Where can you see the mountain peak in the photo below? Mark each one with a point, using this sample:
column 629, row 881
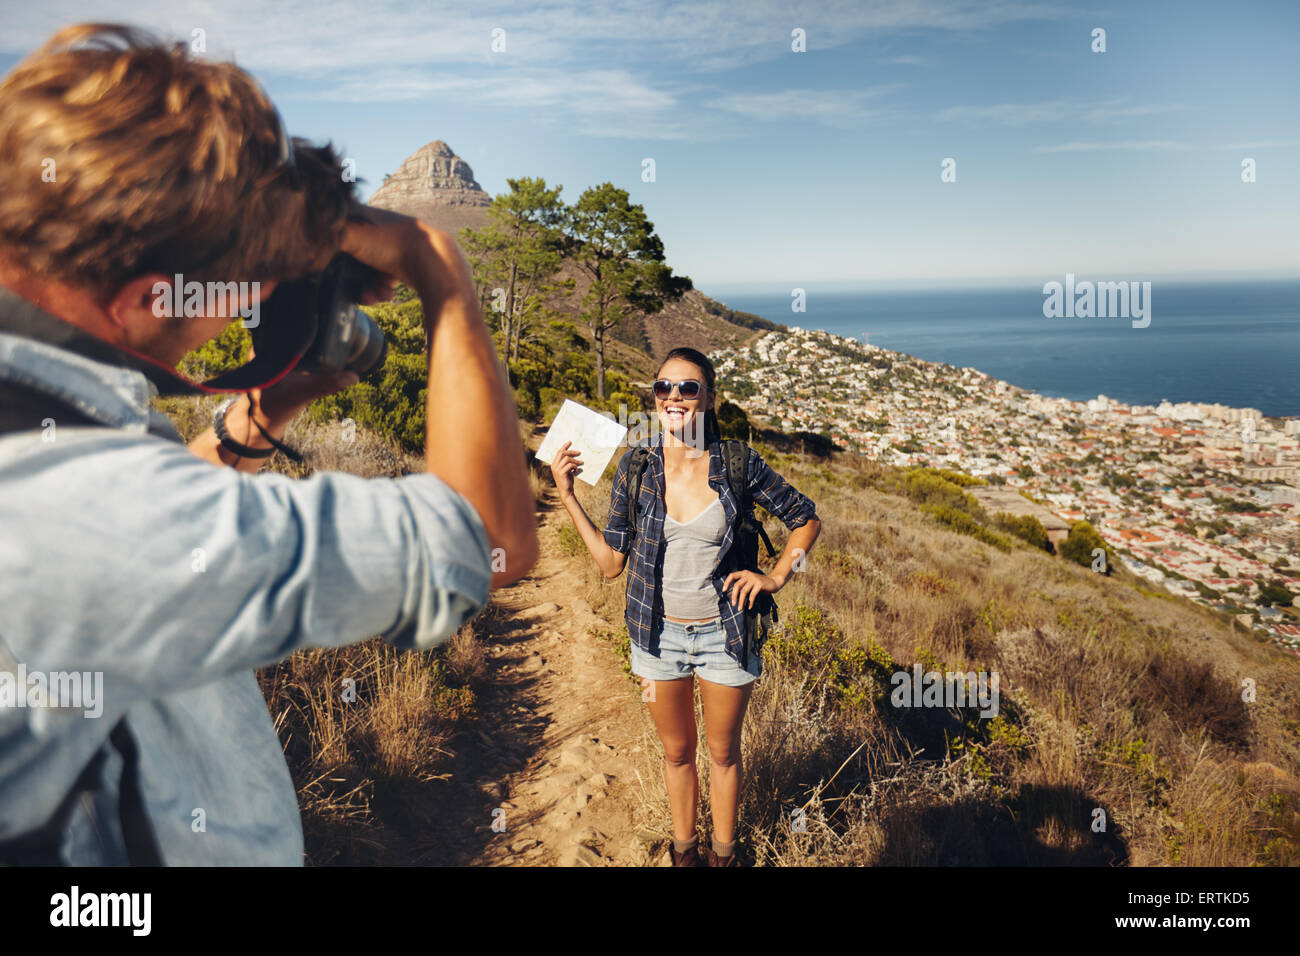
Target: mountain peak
column 436, row 185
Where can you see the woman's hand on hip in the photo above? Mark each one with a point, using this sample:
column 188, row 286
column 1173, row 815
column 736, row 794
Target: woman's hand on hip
column 745, row 586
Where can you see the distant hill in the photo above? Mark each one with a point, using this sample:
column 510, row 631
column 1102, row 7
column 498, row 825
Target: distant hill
column 437, row 186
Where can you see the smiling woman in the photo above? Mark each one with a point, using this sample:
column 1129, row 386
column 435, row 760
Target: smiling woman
column 693, row 584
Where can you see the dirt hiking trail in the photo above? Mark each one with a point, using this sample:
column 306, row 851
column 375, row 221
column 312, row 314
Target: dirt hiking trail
column 559, row 753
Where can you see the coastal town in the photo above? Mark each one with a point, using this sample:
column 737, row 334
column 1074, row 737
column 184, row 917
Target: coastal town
column 1203, row 500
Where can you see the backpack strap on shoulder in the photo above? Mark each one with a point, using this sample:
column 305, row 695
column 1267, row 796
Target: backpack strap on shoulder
column 635, row 469
column 735, row 457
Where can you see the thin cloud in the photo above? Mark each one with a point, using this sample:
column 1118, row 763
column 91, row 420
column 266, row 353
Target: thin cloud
column 1008, row 114
column 1049, row 111
column 826, row 106
column 1109, row 114
column 1264, row 144
column 1094, row 146
column 584, row 91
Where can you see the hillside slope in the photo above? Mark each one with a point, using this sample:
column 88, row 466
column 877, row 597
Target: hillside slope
column 695, row 321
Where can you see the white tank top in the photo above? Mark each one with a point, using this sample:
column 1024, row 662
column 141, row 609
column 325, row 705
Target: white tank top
column 692, row 550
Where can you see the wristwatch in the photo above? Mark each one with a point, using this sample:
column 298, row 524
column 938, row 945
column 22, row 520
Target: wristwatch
column 219, row 426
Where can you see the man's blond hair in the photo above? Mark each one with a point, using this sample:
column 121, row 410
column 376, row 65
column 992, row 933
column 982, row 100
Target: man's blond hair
column 126, row 156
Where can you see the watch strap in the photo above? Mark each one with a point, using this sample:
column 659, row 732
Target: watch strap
column 223, row 436
column 275, row 442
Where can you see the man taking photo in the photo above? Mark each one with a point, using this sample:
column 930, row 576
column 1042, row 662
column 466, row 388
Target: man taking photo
column 166, row 575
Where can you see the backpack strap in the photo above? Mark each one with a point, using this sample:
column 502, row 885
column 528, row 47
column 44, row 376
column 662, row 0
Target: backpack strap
column 25, row 409
column 735, row 456
column 635, row 469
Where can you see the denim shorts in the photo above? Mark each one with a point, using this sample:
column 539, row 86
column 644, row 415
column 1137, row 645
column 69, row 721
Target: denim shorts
column 695, row 648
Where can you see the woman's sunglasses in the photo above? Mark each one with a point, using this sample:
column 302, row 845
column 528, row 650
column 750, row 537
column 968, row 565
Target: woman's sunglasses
column 690, row 388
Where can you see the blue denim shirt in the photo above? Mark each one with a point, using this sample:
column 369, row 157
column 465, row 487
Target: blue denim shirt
column 644, row 608
column 123, row 553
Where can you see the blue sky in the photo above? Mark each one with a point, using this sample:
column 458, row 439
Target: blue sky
column 782, row 169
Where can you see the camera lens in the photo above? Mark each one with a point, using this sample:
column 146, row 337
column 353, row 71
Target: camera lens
column 370, row 347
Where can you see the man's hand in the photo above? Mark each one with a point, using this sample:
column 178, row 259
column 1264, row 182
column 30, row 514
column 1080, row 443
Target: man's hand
column 404, row 249
column 275, row 407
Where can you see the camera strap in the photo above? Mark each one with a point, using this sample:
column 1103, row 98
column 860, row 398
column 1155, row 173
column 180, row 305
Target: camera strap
column 274, row 356
column 284, row 449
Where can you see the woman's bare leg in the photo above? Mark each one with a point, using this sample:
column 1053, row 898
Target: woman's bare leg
column 672, row 707
column 724, row 716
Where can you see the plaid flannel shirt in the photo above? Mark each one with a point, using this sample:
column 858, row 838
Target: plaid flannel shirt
column 645, row 611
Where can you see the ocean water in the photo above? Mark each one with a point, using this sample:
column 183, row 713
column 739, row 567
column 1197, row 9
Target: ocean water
column 1237, row 343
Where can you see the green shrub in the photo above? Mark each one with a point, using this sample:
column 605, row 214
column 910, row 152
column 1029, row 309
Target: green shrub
column 630, row 402
column 859, row 674
column 571, row 543
column 526, row 403
column 963, row 523
column 928, row 487
column 227, row 351
column 1081, row 543
column 1026, row 527
column 390, row 401
column 956, row 477
column 549, row 401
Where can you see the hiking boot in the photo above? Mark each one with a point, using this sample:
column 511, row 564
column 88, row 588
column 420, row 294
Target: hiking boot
column 690, row 858
column 715, row 860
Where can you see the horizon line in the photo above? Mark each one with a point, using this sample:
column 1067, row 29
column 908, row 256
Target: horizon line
column 986, row 282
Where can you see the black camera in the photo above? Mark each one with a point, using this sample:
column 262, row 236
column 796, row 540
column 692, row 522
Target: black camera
column 346, row 337
column 313, row 324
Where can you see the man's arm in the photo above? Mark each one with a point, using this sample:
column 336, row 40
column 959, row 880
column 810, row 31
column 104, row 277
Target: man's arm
column 166, row 573
column 472, row 432
column 472, row 440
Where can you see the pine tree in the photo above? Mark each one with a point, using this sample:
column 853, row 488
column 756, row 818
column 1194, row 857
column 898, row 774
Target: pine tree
column 516, row 257
column 614, row 243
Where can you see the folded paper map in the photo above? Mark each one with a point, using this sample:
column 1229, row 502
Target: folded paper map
column 595, row 438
